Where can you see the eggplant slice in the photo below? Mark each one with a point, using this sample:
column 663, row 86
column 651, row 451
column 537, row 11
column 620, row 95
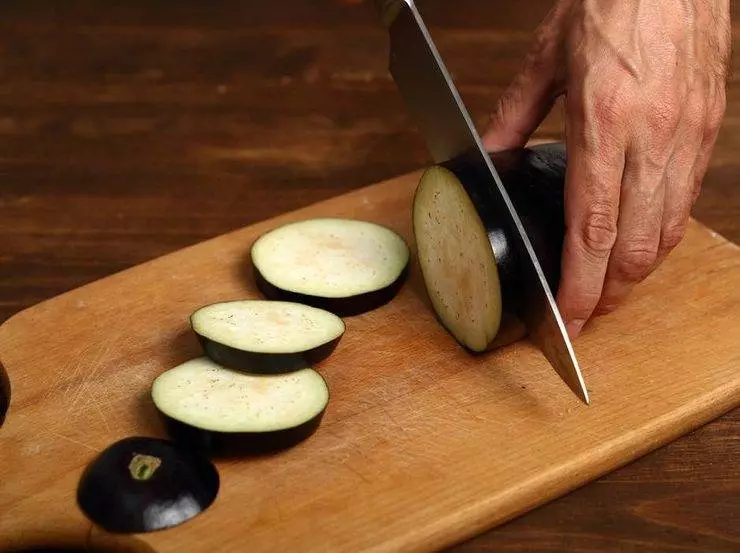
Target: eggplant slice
column 142, row 484
column 345, row 266
column 226, row 412
column 456, row 259
column 470, row 273
column 4, row 394
column 266, row 336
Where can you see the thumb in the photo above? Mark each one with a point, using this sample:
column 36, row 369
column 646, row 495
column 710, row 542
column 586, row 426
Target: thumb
column 527, row 100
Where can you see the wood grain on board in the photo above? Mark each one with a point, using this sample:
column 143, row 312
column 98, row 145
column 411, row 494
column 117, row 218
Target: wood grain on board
column 423, row 445
column 132, row 131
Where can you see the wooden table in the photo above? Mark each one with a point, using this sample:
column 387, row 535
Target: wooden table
column 129, row 131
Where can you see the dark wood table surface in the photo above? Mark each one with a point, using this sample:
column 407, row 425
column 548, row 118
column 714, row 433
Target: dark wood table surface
column 129, row 130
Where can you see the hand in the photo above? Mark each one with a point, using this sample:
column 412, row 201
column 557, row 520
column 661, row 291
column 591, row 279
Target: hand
column 644, row 85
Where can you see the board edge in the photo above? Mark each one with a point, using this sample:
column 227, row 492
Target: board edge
column 686, row 418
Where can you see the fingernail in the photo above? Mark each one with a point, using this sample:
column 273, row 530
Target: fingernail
column 574, row 327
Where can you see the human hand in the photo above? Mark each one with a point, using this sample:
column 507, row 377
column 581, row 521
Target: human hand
column 644, row 85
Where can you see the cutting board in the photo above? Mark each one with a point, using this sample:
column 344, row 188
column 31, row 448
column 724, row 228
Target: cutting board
column 423, row 445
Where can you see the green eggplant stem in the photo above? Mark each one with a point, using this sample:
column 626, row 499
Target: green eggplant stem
column 143, row 467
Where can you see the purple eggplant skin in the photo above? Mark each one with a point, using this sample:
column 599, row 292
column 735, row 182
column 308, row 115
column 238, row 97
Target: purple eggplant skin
column 265, row 363
column 4, row 394
column 534, row 179
column 341, row 307
column 143, row 484
column 227, row 445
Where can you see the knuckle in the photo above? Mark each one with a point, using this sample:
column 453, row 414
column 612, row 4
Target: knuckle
column 599, row 232
column 663, row 116
column 635, row 261
column 610, row 108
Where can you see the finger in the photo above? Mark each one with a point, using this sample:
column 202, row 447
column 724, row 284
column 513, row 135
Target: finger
column 592, row 188
column 528, row 99
column 681, row 180
column 639, row 226
column 540, row 141
column 716, row 108
column 703, row 122
column 718, row 54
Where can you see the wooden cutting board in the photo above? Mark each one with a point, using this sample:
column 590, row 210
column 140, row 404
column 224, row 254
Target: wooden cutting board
column 422, row 445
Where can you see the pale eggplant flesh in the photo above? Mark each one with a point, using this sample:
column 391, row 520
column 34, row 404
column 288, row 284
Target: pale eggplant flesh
column 345, row 266
column 470, row 272
column 224, row 412
column 143, row 484
column 266, row 337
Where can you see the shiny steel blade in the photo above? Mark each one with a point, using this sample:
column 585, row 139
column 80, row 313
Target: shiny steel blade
column 433, row 100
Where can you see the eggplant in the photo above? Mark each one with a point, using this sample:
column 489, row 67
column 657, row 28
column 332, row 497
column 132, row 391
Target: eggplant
column 4, row 394
column 266, row 336
column 470, row 271
column 345, row 266
column 226, row 412
column 143, row 484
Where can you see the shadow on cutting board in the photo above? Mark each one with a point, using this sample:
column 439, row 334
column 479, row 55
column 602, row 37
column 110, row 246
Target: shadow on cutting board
column 184, row 346
column 150, row 421
column 94, row 541
column 512, row 332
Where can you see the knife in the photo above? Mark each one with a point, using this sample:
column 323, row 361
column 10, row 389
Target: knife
column 432, row 99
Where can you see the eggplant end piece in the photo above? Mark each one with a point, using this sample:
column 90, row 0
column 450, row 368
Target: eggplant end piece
column 4, row 394
column 143, row 484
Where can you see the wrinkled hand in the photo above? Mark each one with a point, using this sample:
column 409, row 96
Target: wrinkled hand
column 644, row 86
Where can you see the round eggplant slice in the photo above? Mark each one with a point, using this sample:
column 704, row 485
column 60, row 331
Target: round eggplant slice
column 266, row 336
column 142, row 484
column 456, row 259
column 468, row 267
column 345, row 266
column 4, row 394
column 226, row 412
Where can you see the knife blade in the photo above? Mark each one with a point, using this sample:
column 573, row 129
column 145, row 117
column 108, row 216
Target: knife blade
column 432, row 99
